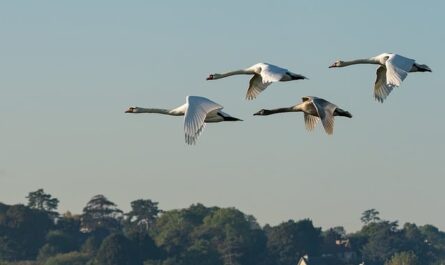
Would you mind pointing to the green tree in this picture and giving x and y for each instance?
(22, 231)
(71, 258)
(403, 258)
(57, 241)
(290, 240)
(143, 214)
(370, 216)
(42, 201)
(100, 213)
(384, 239)
(237, 237)
(145, 245)
(116, 249)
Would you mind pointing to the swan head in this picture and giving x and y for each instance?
(213, 76)
(262, 112)
(337, 63)
(132, 110)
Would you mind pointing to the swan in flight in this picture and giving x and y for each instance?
(314, 109)
(392, 71)
(197, 111)
(263, 75)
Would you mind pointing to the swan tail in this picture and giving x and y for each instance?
(296, 76)
(341, 112)
(421, 68)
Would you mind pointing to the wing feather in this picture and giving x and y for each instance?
(197, 110)
(381, 88)
(310, 121)
(397, 68)
(256, 86)
(325, 111)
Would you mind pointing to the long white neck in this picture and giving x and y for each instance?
(154, 110)
(360, 61)
(237, 72)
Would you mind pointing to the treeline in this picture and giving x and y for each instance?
(146, 235)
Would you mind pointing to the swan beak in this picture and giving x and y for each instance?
(128, 111)
(210, 77)
(332, 66)
(257, 113)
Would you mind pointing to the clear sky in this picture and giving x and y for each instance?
(69, 70)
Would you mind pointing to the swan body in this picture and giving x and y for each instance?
(263, 75)
(314, 109)
(197, 111)
(392, 71)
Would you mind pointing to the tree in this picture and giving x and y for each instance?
(290, 240)
(370, 216)
(143, 214)
(57, 241)
(384, 240)
(403, 258)
(116, 249)
(42, 201)
(100, 213)
(22, 231)
(71, 258)
(145, 245)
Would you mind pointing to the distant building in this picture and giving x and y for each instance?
(305, 260)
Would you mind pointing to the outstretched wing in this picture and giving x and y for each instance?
(272, 73)
(397, 68)
(310, 121)
(381, 88)
(197, 110)
(325, 111)
(256, 86)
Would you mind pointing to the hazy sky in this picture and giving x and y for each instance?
(69, 70)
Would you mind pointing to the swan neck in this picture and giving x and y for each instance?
(281, 110)
(360, 61)
(237, 72)
(154, 110)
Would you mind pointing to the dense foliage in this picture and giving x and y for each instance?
(199, 235)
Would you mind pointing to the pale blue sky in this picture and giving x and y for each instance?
(70, 69)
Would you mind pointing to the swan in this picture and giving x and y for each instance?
(314, 109)
(197, 111)
(392, 71)
(263, 75)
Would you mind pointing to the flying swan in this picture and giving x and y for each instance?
(392, 71)
(263, 75)
(197, 111)
(314, 109)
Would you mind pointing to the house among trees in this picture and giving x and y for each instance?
(305, 260)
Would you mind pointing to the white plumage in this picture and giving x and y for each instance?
(197, 111)
(392, 71)
(263, 75)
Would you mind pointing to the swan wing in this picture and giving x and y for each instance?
(272, 73)
(256, 86)
(197, 110)
(325, 111)
(310, 121)
(397, 68)
(381, 88)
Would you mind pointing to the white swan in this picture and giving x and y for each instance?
(314, 109)
(263, 75)
(392, 71)
(196, 111)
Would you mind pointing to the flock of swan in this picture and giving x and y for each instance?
(198, 111)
